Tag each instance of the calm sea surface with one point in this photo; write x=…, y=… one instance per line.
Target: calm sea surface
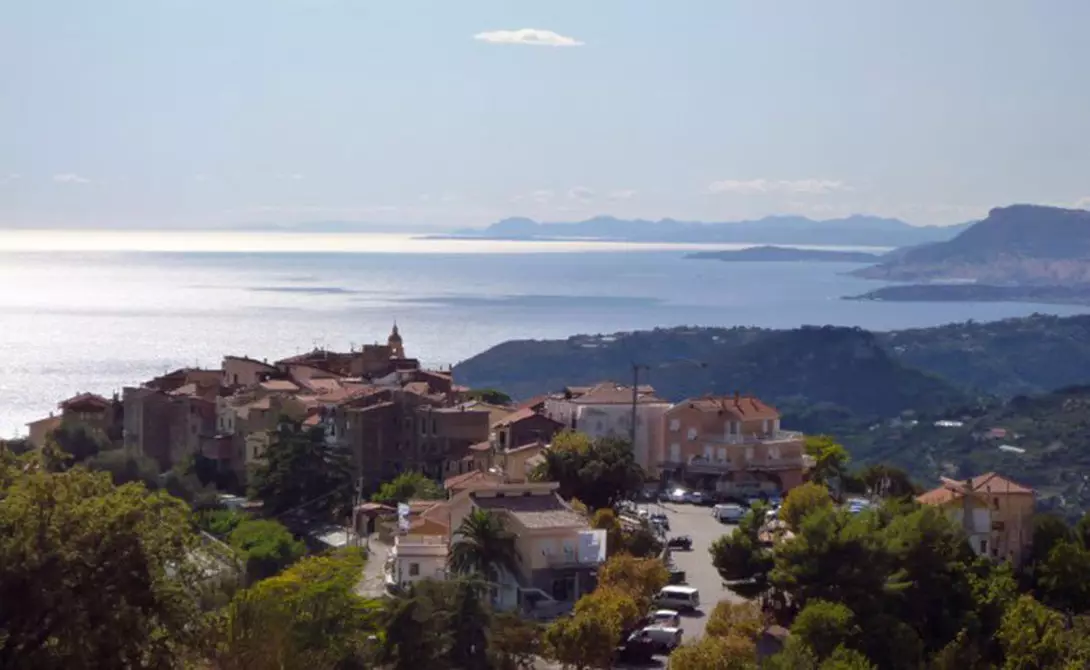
x=97, y=311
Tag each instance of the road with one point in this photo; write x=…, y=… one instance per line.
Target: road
x=697, y=522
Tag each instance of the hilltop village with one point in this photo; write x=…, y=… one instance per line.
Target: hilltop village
x=394, y=416
x=563, y=503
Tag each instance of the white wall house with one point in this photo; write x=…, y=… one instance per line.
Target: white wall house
x=605, y=410
x=417, y=557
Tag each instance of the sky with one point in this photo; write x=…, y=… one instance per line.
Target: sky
x=440, y=114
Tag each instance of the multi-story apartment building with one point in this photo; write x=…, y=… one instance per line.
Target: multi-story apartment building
x=393, y=430
x=996, y=513
x=731, y=444
x=605, y=410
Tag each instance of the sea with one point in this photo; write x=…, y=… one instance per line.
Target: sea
x=100, y=310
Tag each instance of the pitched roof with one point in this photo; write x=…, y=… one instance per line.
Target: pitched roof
x=481, y=446
x=534, y=511
x=989, y=483
x=611, y=393
x=475, y=479
x=531, y=403
x=84, y=399
x=744, y=407
x=280, y=385
x=515, y=417
x=526, y=447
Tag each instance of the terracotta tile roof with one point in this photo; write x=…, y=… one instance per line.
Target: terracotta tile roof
x=531, y=403
x=312, y=420
x=744, y=407
x=281, y=385
x=515, y=417
x=84, y=399
x=472, y=480
x=419, y=388
x=50, y=421
x=526, y=447
x=992, y=482
x=611, y=393
x=534, y=511
x=989, y=483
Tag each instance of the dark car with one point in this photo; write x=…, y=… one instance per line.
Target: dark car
x=683, y=542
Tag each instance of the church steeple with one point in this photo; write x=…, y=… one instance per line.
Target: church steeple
x=397, y=349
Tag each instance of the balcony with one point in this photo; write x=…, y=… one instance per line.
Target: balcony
x=569, y=558
x=768, y=438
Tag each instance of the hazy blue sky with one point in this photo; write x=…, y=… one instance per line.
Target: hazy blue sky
x=215, y=112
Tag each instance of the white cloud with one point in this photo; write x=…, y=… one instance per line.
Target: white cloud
x=541, y=197
x=531, y=36
x=758, y=186
x=622, y=194
x=581, y=193
x=70, y=178
x=1083, y=203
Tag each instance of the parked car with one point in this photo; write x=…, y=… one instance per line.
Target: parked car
x=677, y=496
x=680, y=542
x=728, y=512
x=637, y=649
x=660, y=519
x=677, y=577
x=664, y=639
x=694, y=497
x=680, y=598
x=668, y=618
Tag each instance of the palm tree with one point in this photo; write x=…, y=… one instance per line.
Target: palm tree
x=484, y=546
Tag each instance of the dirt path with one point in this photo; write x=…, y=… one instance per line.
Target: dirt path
x=373, y=582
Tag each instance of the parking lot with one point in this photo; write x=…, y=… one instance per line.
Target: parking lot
x=698, y=523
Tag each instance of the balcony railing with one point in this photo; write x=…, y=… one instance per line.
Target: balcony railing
x=569, y=559
x=767, y=438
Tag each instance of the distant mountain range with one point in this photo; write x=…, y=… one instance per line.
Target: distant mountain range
x=1022, y=253
x=787, y=254
x=857, y=230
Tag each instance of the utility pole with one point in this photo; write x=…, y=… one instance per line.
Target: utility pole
x=636, y=367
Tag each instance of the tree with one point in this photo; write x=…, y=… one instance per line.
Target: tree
x=306, y=618
x=1033, y=636
x=640, y=578
x=94, y=575
x=802, y=500
x=741, y=558
x=417, y=625
x=483, y=546
x=612, y=603
x=266, y=547
x=606, y=519
x=598, y=472
x=844, y=658
x=220, y=522
x=742, y=619
x=715, y=653
x=469, y=621
x=830, y=458
x=581, y=642
x=78, y=441
x=300, y=468
x=408, y=486
x=489, y=395
x=516, y=642
x=1061, y=579
x=888, y=481
x=825, y=626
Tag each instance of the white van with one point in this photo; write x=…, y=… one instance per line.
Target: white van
x=681, y=598
x=728, y=512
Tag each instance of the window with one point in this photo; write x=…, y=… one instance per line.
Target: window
x=414, y=569
x=434, y=429
x=692, y=433
x=984, y=546
x=722, y=453
x=674, y=425
x=995, y=503
x=749, y=454
x=773, y=452
x=675, y=452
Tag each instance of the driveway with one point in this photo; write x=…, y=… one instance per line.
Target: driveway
x=698, y=523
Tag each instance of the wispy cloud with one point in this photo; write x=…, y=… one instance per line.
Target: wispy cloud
x=541, y=197
x=759, y=186
x=622, y=194
x=530, y=36
x=10, y=177
x=581, y=193
x=70, y=178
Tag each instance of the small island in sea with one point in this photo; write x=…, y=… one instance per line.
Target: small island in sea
x=774, y=253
